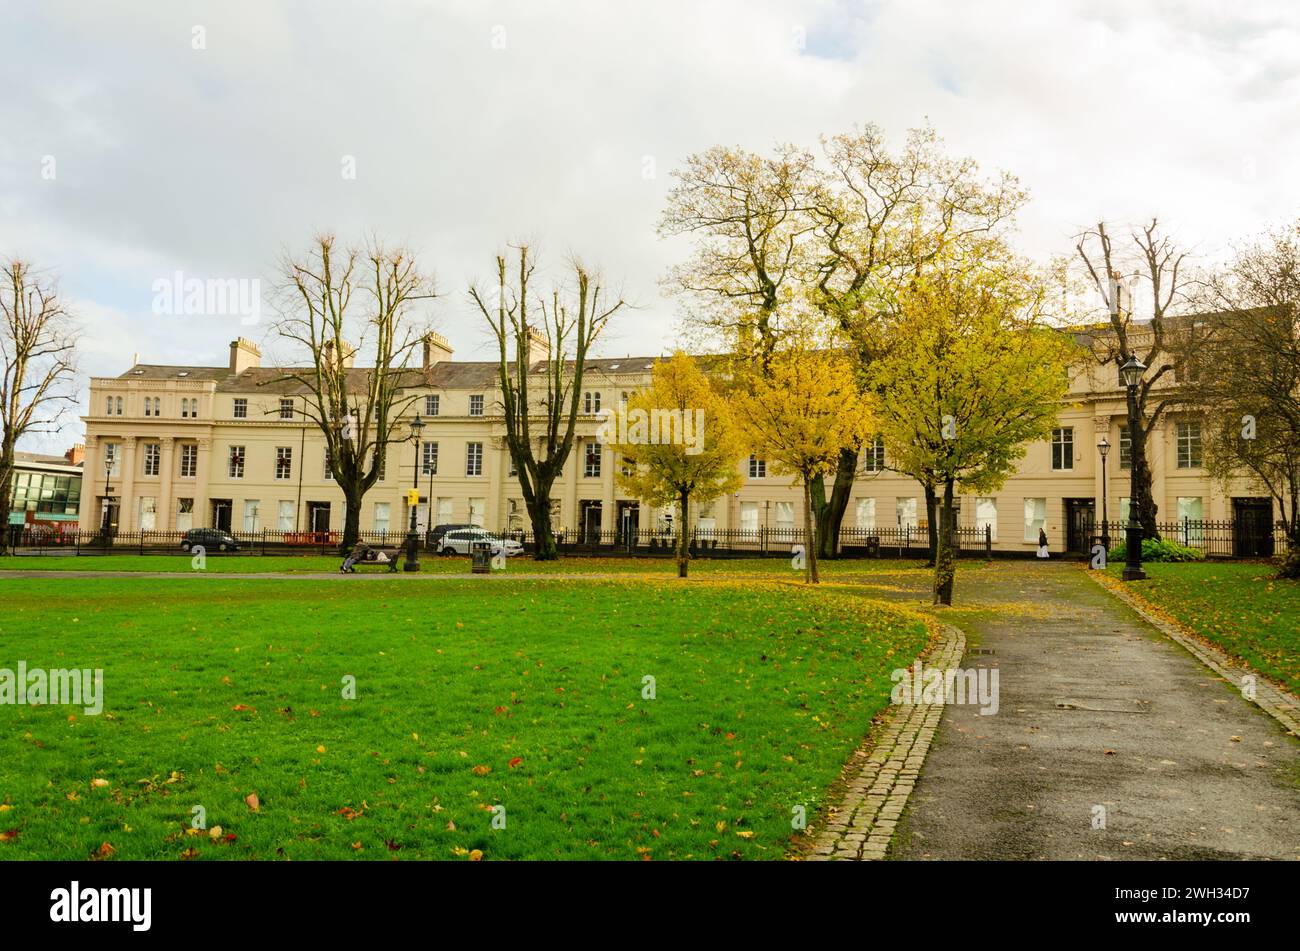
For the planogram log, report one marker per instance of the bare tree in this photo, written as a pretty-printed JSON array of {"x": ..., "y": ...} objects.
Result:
[
  {"x": 37, "y": 345},
  {"x": 540, "y": 425},
  {"x": 1247, "y": 379},
  {"x": 1160, "y": 338},
  {"x": 357, "y": 409}
]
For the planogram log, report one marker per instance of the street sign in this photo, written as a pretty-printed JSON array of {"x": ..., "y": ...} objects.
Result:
[{"x": 412, "y": 497}]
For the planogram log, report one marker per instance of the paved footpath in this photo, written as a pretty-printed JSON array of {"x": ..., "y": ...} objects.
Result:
[{"x": 1100, "y": 717}]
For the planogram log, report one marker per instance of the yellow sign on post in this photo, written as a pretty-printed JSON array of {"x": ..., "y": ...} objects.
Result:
[{"x": 412, "y": 497}]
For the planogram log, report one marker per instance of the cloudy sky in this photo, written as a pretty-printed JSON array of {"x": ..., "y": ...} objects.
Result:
[{"x": 145, "y": 138}]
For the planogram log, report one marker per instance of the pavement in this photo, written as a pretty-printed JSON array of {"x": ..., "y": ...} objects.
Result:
[{"x": 1110, "y": 742}]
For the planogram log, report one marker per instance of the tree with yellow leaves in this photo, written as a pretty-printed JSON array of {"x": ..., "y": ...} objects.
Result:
[
  {"x": 800, "y": 414},
  {"x": 677, "y": 443},
  {"x": 971, "y": 373}
]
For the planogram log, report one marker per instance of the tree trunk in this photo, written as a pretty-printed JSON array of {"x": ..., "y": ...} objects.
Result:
[
  {"x": 683, "y": 539},
  {"x": 932, "y": 523},
  {"x": 829, "y": 512},
  {"x": 811, "y": 574},
  {"x": 1141, "y": 502},
  {"x": 351, "y": 521},
  {"x": 945, "y": 566},
  {"x": 539, "y": 514}
]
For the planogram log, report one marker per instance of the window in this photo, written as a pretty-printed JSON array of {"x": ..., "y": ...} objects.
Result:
[
  {"x": 119, "y": 406},
  {"x": 749, "y": 517},
  {"x": 113, "y": 457},
  {"x": 429, "y": 461},
  {"x": 590, "y": 402},
  {"x": 284, "y": 517},
  {"x": 152, "y": 455},
  {"x": 184, "y": 515},
  {"x": 785, "y": 516},
  {"x": 591, "y": 467},
  {"x": 185, "y": 408},
  {"x": 241, "y": 408},
  {"x": 757, "y": 468},
  {"x": 866, "y": 517},
  {"x": 286, "y": 408},
  {"x": 874, "y": 457},
  {"x": 383, "y": 468},
  {"x": 476, "y": 405},
  {"x": 236, "y": 463},
  {"x": 1063, "y": 448},
  {"x": 189, "y": 460},
  {"x": 157, "y": 406},
  {"x": 477, "y": 507},
  {"x": 986, "y": 517},
  {"x": 148, "y": 513},
  {"x": 444, "y": 511},
  {"x": 905, "y": 513},
  {"x": 1035, "y": 518},
  {"x": 283, "y": 462},
  {"x": 327, "y": 473},
  {"x": 1125, "y": 449},
  {"x": 148, "y": 406},
  {"x": 1124, "y": 509},
  {"x": 1191, "y": 511},
  {"x": 473, "y": 458},
  {"x": 431, "y": 405},
  {"x": 1189, "y": 445},
  {"x": 381, "y": 516},
  {"x": 250, "y": 514},
  {"x": 108, "y": 406}
]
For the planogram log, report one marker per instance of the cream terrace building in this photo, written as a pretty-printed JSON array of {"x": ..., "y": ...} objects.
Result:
[{"x": 169, "y": 448}]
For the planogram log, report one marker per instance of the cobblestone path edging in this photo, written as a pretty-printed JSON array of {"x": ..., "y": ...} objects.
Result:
[
  {"x": 1270, "y": 698},
  {"x": 862, "y": 826}
]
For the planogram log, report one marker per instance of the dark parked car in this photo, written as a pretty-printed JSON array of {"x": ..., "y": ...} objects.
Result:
[{"x": 209, "y": 539}]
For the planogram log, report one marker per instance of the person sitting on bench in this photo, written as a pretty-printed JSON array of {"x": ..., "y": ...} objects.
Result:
[{"x": 357, "y": 554}]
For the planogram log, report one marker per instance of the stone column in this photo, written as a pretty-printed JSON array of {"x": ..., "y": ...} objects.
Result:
[
  {"x": 202, "y": 509},
  {"x": 167, "y": 520},
  {"x": 92, "y": 470},
  {"x": 128, "y": 515}
]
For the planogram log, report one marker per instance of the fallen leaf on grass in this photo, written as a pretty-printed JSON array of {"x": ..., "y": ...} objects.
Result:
[
  {"x": 103, "y": 852},
  {"x": 516, "y": 761},
  {"x": 253, "y": 802},
  {"x": 481, "y": 770},
  {"x": 8, "y": 835},
  {"x": 243, "y": 707},
  {"x": 476, "y": 856},
  {"x": 99, "y": 782}
]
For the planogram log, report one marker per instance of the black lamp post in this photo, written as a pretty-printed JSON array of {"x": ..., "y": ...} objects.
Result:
[
  {"x": 108, "y": 491},
  {"x": 1131, "y": 373},
  {"x": 1103, "y": 447},
  {"x": 413, "y": 542}
]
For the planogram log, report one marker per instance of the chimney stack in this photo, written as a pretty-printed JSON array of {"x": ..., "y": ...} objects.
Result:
[
  {"x": 436, "y": 348},
  {"x": 244, "y": 354},
  {"x": 76, "y": 455}
]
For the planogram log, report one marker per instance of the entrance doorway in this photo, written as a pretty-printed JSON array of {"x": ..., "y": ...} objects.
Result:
[
  {"x": 628, "y": 522},
  {"x": 590, "y": 512},
  {"x": 318, "y": 516},
  {"x": 1252, "y": 527},
  {"x": 1080, "y": 523},
  {"x": 108, "y": 508},
  {"x": 221, "y": 514}
]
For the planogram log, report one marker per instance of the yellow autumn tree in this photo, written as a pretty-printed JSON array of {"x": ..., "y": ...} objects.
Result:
[
  {"x": 677, "y": 442},
  {"x": 971, "y": 373},
  {"x": 799, "y": 415}
]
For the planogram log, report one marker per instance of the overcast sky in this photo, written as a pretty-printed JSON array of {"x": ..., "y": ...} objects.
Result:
[{"x": 129, "y": 154}]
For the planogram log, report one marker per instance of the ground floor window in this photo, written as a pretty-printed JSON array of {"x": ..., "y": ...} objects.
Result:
[
  {"x": 986, "y": 515},
  {"x": 1191, "y": 511},
  {"x": 1035, "y": 518},
  {"x": 148, "y": 513},
  {"x": 905, "y": 513},
  {"x": 749, "y": 516},
  {"x": 477, "y": 511},
  {"x": 1123, "y": 510},
  {"x": 250, "y": 514},
  {"x": 284, "y": 517},
  {"x": 785, "y": 516},
  {"x": 866, "y": 514},
  {"x": 184, "y": 515},
  {"x": 381, "y": 516},
  {"x": 444, "y": 511}
]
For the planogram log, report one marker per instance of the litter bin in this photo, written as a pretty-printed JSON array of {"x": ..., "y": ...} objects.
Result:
[{"x": 480, "y": 554}]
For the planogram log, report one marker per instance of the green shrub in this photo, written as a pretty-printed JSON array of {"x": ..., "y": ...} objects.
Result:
[
  {"x": 1288, "y": 564},
  {"x": 1163, "y": 549}
]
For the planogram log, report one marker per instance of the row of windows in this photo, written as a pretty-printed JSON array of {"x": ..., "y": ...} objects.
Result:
[
  {"x": 1187, "y": 438},
  {"x": 45, "y": 493},
  {"x": 113, "y": 406}
]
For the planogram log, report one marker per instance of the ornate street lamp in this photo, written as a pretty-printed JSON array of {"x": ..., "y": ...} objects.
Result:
[
  {"x": 108, "y": 492},
  {"x": 1131, "y": 373},
  {"x": 413, "y": 501},
  {"x": 1103, "y": 447}
]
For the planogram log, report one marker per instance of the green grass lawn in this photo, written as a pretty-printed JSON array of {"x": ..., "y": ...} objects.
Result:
[
  {"x": 317, "y": 564},
  {"x": 527, "y": 696},
  {"x": 1238, "y": 606}
]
